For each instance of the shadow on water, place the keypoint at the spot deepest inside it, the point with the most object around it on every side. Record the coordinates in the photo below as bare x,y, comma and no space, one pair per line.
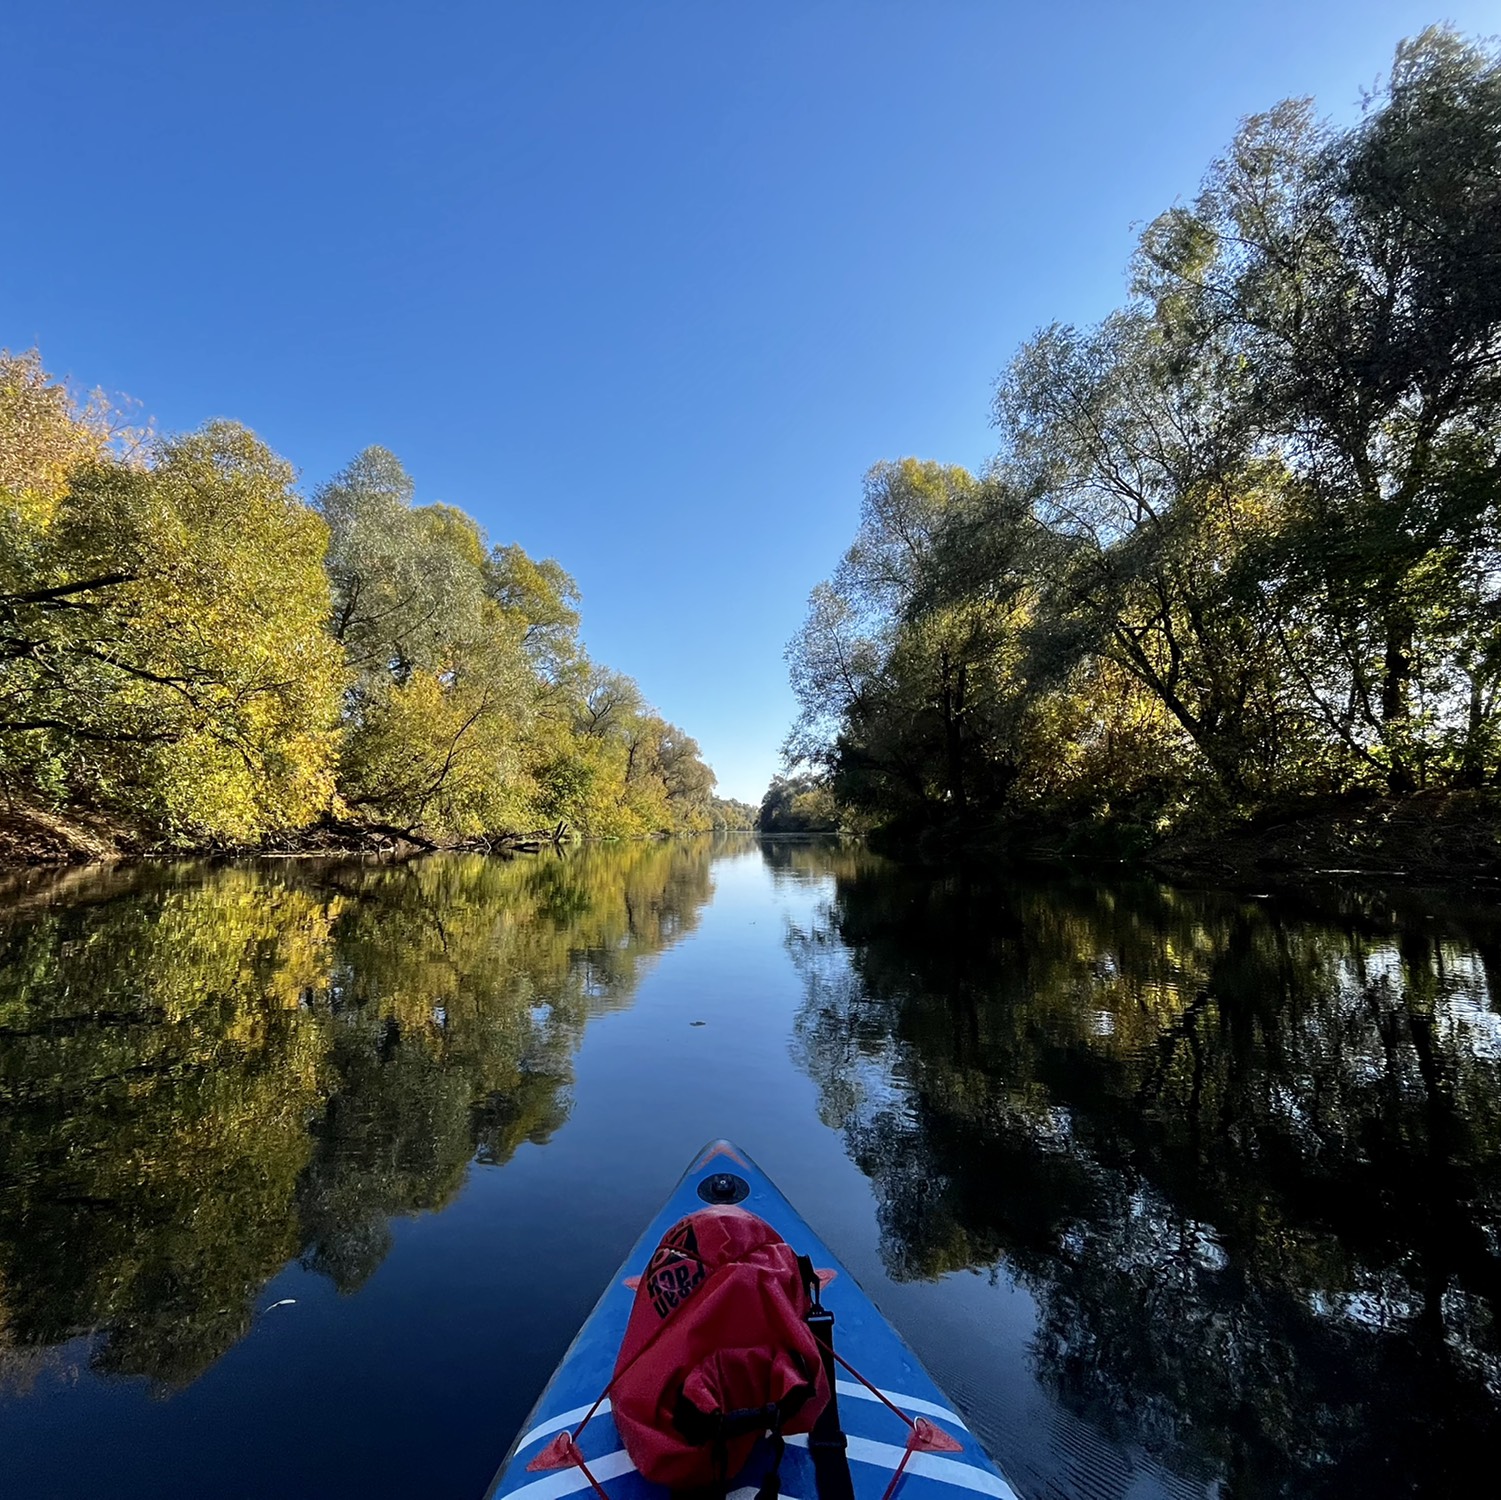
811,858
206,1074
1245,1154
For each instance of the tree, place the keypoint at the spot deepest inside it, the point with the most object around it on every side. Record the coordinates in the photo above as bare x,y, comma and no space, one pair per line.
907,667
798,804
46,433
1241,542
605,701
407,581
543,600
161,638
1142,469
444,640
1356,276
728,815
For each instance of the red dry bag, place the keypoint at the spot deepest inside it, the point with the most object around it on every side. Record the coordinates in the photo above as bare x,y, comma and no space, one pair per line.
717,1350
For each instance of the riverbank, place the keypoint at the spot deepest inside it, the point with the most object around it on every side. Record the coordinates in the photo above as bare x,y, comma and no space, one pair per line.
32,837
1429,838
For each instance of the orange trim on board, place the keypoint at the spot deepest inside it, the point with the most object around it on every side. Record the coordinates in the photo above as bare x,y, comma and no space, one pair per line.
720,1148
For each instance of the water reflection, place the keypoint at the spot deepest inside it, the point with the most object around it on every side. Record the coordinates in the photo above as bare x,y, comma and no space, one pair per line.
1245,1154
204,1075
810,859
1242,1157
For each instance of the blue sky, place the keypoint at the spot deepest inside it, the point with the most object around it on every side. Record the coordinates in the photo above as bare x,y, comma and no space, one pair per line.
643,287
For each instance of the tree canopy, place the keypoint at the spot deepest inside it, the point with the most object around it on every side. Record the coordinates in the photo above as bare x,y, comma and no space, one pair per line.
1239,543
189,648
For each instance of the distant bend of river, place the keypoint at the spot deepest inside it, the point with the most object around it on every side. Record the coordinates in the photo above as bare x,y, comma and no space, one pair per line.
309,1171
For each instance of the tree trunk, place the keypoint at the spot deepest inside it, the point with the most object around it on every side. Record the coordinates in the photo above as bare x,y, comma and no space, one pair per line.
953,704
1396,694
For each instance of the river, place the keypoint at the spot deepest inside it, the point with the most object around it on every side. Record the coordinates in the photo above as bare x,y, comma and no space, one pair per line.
309,1171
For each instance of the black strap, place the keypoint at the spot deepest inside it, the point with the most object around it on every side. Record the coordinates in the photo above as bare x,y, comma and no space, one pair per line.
699,1426
826,1443
771,1481
718,1428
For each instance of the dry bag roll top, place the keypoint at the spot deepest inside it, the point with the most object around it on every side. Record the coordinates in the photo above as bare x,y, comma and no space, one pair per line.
717,1351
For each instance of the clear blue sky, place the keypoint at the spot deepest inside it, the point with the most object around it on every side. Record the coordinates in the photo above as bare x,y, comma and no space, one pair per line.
643,287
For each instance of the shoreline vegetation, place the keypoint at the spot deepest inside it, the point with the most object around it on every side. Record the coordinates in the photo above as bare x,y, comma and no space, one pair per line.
1227,600
193,658
33,838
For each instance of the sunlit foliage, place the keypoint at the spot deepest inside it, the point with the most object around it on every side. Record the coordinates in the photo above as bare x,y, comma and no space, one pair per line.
798,804
162,642
189,649
473,708
1241,543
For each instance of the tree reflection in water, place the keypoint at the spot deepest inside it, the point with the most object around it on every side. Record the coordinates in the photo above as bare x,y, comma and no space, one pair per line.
204,1075
1245,1153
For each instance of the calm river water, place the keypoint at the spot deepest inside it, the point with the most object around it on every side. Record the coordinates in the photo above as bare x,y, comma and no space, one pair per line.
308,1172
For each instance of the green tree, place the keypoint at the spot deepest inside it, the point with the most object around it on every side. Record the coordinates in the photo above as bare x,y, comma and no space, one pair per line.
729,815
445,643
1239,543
911,680
543,600
1162,516
1356,276
161,634
406,580
798,804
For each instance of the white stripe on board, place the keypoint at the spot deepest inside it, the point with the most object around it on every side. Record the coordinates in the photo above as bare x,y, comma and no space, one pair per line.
562,1420
845,1388
896,1398
929,1465
566,1481
748,1493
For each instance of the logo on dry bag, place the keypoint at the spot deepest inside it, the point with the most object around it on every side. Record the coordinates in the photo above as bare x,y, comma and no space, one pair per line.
675,1269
